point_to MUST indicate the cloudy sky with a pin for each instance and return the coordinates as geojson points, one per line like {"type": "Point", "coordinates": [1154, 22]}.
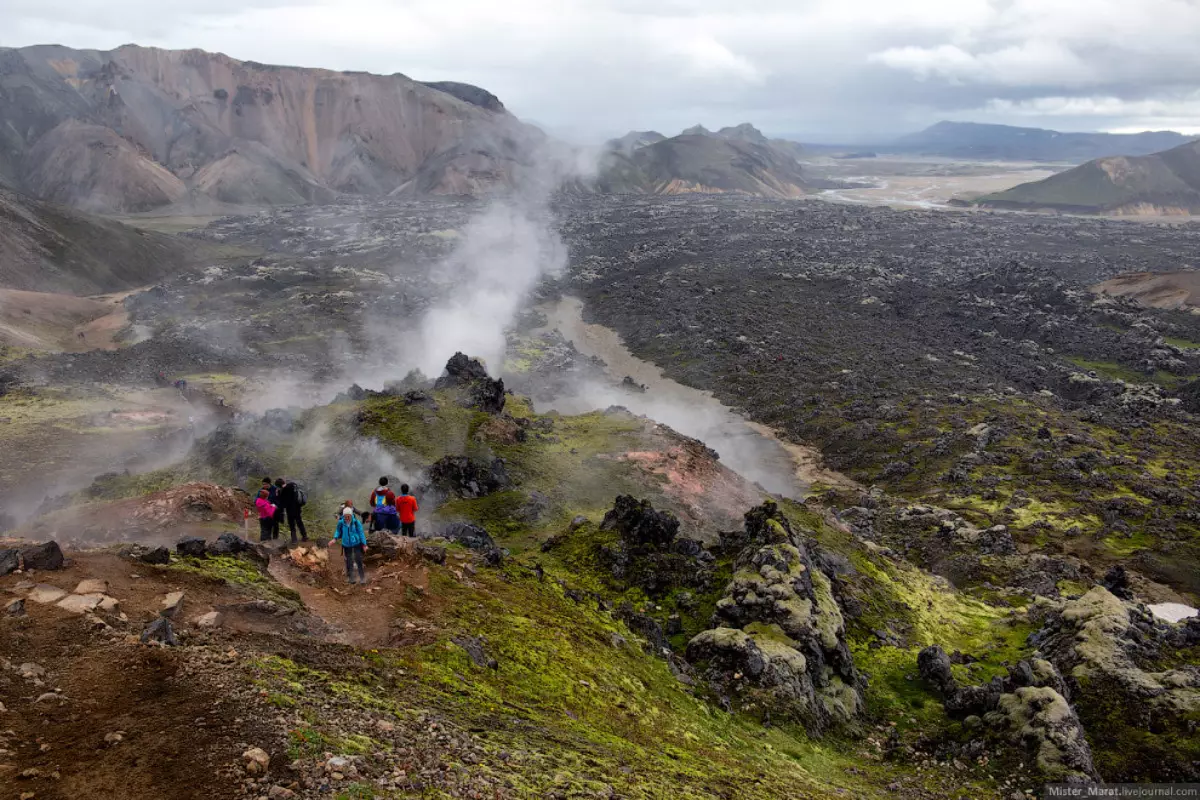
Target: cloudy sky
{"type": "Point", "coordinates": [822, 70]}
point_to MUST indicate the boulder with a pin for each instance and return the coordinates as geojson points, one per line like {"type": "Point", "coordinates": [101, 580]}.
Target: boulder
{"type": "Point", "coordinates": [469, 536]}
{"type": "Point", "coordinates": [80, 603]}
{"type": "Point", "coordinates": [1120, 666]}
{"type": "Point", "coordinates": [432, 553]}
{"type": "Point", "coordinates": [213, 619]}
{"type": "Point", "coordinates": [227, 544]}
{"type": "Point", "coordinates": [934, 666]}
{"type": "Point", "coordinates": [257, 761]}
{"type": "Point", "coordinates": [9, 561]}
{"type": "Point", "coordinates": [159, 631]}
{"type": "Point", "coordinates": [15, 608]}
{"type": "Point", "coordinates": [192, 546]}
{"type": "Point", "coordinates": [45, 556]}
{"type": "Point", "coordinates": [473, 646]}
{"type": "Point", "coordinates": [147, 555]}
{"type": "Point", "coordinates": [171, 605]}
{"type": "Point", "coordinates": [92, 586]}
{"type": "Point", "coordinates": [45, 594]}
{"type": "Point", "coordinates": [639, 524]}
{"type": "Point", "coordinates": [479, 389]}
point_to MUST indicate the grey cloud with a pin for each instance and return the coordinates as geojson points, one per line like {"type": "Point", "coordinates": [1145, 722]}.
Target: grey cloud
{"type": "Point", "coordinates": [824, 69]}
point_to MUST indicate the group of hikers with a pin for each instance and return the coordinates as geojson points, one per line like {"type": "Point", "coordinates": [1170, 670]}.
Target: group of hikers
{"type": "Point", "coordinates": [396, 513]}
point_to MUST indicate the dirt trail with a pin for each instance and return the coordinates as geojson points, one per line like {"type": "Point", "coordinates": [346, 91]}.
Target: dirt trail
{"type": "Point", "coordinates": [361, 616]}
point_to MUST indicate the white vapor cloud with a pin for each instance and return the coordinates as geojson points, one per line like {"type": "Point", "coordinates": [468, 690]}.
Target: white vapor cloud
{"type": "Point", "coordinates": [819, 69]}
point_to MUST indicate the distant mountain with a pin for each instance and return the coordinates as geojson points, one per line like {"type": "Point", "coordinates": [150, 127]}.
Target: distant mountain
{"type": "Point", "coordinates": [137, 128]}
{"type": "Point", "coordinates": [1005, 142]}
{"type": "Point", "coordinates": [1163, 183]}
{"type": "Point", "coordinates": [697, 163]}
{"type": "Point", "coordinates": [737, 159]}
{"type": "Point", "coordinates": [633, 140]}
{"type": "Point", "coordinates": [46, 248]}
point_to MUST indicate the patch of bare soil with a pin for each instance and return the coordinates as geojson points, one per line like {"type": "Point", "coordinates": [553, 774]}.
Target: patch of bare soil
{"type": "Point", "coordinates": [1174, 290]}
{"type": "Point", "coordinates": [92, 713]}
{"type": "Point", "coordinates": [193, 509]}
{"type": "Point", "coordinates": [390, 607]}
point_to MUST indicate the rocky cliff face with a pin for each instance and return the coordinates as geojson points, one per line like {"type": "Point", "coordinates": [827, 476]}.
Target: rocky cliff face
{"type": "Point", "coordinates": [139, 127]}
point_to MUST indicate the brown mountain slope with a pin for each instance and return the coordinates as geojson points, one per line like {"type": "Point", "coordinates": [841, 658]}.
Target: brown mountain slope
{"type": "Point", "coordinates": [275, 134]}
{"type": "Point", "coordinates": [1177, 290]}
{"type": "Point", "coordinates": [1162, 183]}
{"type": "Point", "coordinates": [45, 248]}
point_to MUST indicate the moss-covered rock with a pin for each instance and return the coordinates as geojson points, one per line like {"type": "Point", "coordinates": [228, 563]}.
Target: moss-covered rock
{"type": "Point", "coordinates": [1134, 683]}
{"type": "Point", "coordinates": [783, 641]}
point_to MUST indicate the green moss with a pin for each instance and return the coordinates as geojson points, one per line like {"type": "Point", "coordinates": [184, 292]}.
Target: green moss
{"type": "Point", "coordinates": [240, 573]}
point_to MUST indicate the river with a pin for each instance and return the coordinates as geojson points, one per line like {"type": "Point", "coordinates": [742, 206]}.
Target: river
{"type": "Point", "coordinates": [753, 450]}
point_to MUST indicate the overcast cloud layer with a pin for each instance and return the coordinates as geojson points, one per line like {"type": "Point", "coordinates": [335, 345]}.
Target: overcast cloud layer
{"type": "Point", "coordinates": [821, 70]}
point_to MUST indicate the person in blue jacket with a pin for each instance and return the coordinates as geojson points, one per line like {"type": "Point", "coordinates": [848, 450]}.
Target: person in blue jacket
{"type": "Point", "coordinates": [354, 544]}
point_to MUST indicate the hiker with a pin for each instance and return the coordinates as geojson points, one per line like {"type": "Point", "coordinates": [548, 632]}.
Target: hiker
{"type": "Point", "coordinates": [407, 506]}
{"type": "Point", "coordinates": [266, 515]}
{"type": "Point", "coordinates": [293, 499]}
{"type": "Point", "coordinates": [383, 508]}
{"type": "Point", "coordinates": [354, 543]}
{"type": "Point", "coordinates": [279, 513]}
{"type": "Point", "coordinates": [273, 496]}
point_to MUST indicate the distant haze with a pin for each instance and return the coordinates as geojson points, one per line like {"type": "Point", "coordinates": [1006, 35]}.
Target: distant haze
{"type": "Point", "coordinates": [816, 70]}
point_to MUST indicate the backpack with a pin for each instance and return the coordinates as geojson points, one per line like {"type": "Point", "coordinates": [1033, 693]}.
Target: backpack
{"type": "Point", "coordinates": [301, 495]}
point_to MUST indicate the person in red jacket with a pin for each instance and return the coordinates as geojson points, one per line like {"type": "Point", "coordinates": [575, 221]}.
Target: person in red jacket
{"type": "Point", "coordinates": [406, 504]}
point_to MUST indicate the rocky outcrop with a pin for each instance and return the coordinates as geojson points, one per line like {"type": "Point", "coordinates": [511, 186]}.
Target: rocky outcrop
{"type": "Point", "coordinates": [470, 377]}
{"type": "Point", "coordinates": [649, 554]}
{"type": "Point", "coordinates": [1132, 683]}
{"type": "Point", "coordinates": [781, 644]}
{"type": "Point", "coordinates": [140, 127]}
{"type": "Point", "coordinates": [1029, 709]}
{"type": "Point", "coordinates": [460, 476]}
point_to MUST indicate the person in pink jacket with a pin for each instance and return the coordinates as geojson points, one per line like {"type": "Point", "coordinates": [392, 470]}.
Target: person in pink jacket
{"type": "Point", "coordinates": [266, 516]}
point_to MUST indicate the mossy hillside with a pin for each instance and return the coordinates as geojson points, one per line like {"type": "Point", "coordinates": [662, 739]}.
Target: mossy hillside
{"type": "Point", "coordinates": [916, 609]}
{"type": "Point", "coordinates": [570, 708]}
{"type": "Point", "coordinates": [240, 573]}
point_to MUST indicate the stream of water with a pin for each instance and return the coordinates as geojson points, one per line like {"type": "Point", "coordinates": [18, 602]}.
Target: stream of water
{"type": "Point", "coordinates": [748, 448]}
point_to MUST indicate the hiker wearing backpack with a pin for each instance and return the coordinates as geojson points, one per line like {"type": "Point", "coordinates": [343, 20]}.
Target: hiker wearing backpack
{"type": "Point", "coordinates": [354, 544]}
{"type": "Point", "coordinates": [293, 498]}
{"type": "Point", "coordinates": [383, 508]}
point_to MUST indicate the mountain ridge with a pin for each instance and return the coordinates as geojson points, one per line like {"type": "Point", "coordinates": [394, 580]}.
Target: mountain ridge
{"type": "Point", "coordinates": [1010, 142]}
{"type": "Point", "coordinates": [1165, 183]}
{"type": "Point", "coordinates": [137, 128]}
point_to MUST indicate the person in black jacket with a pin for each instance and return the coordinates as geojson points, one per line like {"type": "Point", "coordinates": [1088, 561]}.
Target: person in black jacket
{"type": "Point", "coordinates": [289, 504]}
{"type": "Point", "coordinates": [273, 498]}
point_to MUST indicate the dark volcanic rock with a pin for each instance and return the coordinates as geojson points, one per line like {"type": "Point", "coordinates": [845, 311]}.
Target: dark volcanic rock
{"type": "Point", "coordinates": [432, 553]}
{"type": "Point", "coordinates": [160, 631]}
{"type": "Point", "coordinates": [648, 555]}
{"type": "Point", "coordinates": [460, 476]}
{"type": "Point", "coordinates": [470, 376]}
{"type": "Point", "coordinates": [47, 556]}
{"type": "Point", "coordinates": [1117, 582]}
{"type": "Point", "coordinates": [147, 555]}
{"type": "Point", "coordinates": [473, 646]}
{"type": "Point", "coordinates": [191, 546]}
{"type": "Point", "coordinates": [469, 536]}
{"type": "Point", "coordinates": [227, 544]}
{"type": "Point", "coordinates": [639, 524]}
{"type": "Point", "coordinates": [934, 666]}
{"type": "Point", "coordinates": [9, 561]}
